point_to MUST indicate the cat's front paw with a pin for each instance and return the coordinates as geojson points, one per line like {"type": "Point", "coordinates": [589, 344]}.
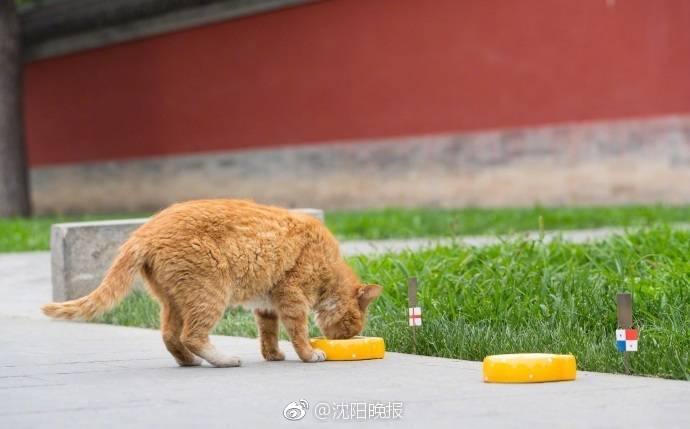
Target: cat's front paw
{"type": "Point", "coordinates": [317, 356]}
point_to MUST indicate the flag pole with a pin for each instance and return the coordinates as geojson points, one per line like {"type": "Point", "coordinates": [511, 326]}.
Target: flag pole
{"type": "Point", "coordinates": [412, 303]}
{"type": "Point", "coordinates": [624, 309]}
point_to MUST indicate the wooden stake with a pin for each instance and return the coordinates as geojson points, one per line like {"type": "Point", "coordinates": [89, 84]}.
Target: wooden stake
{"type": "Point", "coordinates": [411, 303]}
{"type": "Point", "coordinates": [624, 304]}
{"type": "Point", "coordinates": [541, 227]}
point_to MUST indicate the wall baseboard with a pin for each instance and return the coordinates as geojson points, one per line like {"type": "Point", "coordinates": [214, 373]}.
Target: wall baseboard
{"type": "Point", "coordinates": [605, 162]}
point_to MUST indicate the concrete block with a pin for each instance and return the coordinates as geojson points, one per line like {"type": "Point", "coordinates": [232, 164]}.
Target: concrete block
{"type": "Point", "coordinates": [81, 252]}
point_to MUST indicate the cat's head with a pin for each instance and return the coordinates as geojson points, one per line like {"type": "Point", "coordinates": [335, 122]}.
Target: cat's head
{"type": "Point", "coordinates": [344, 317]}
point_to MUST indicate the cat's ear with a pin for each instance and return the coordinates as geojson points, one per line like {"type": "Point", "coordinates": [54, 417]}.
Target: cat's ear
{"type": "Point", "coordinates": [366, 294]}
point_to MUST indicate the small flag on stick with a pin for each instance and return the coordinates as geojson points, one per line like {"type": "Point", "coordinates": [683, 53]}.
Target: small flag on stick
{"type": "Point", "coordinates": [626, 336]}
{"type": "Point", "coordinates": [414, 312]}
{"type": "Point", "coordinates": [626, 340]}
{"type": "Point", "coordinates": [415, 315]}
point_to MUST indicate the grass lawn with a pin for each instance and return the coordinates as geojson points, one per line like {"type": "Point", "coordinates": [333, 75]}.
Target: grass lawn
{"type": "Point", "coordinates": [18, 235]}
{"type": "Point", "coordinates": [429, 222]}
{"type": "Point", "coordinates": [522, 296]}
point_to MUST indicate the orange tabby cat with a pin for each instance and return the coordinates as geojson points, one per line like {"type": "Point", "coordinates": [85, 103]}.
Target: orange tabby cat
{"type": "Point", "coordinates": [199, 257]}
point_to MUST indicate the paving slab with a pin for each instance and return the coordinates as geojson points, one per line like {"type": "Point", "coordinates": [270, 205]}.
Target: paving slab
{"type": "Point", "coordinates": [24, 283]}
{"type": "Point", "coordinates": [60, 374]}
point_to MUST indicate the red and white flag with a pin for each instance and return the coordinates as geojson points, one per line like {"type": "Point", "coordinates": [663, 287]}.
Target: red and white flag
{"type": "Point", "coordinates": [415, 316]}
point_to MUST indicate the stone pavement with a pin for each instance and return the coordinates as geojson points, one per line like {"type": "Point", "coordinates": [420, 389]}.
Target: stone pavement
{"type": "Point", "coordinates": [357, 247]}
{"type": "Point", "coordinates": [60, 374]}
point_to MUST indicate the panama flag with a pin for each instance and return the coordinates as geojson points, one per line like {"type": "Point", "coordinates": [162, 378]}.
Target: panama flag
{"type": "Point", "coordinates": [626, 340]}
{"type": "Point", "coordinates": [415, 316]}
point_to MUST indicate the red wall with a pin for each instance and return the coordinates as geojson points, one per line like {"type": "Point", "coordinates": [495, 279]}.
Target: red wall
{"type": "Point", "coordinates": [353, 69]}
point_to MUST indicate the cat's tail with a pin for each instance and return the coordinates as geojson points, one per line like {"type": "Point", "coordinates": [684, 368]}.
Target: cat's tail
{"type": "Point", "coordinates": [114, 287]}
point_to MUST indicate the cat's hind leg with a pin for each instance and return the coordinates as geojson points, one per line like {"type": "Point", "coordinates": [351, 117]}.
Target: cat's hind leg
{"type": "Point", "coordinates": [267, 321]}
{"type": "Point", "coordinates": [198, 321]}
{"type": "Point", "coordinates": [171, 323]}
{"type": "Point", "coordinates": [171, 327]}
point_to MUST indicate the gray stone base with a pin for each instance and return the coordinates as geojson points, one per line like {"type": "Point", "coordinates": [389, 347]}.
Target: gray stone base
{"type": "Point", "coordinates": [82, 252]}
{"type": "Point", "coordinates": [629, 161]}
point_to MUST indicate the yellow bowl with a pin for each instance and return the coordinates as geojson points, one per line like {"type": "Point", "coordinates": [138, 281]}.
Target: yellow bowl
{"type": "Point", "coordinates": [357, 348]}
{"type": "Point", "coordinates": [529, 368]}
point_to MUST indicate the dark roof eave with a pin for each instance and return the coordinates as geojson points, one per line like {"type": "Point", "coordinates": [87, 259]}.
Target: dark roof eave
{"type": "Point", "coordinates": [61, 27]}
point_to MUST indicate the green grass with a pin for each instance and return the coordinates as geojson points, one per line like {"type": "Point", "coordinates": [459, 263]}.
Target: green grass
{"type": "Point", "coordinates": [522, 296]}
{"type": "Point", "coordinates": [430, 222]}
{"type": "Point", "coordinates": [34, 234]}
